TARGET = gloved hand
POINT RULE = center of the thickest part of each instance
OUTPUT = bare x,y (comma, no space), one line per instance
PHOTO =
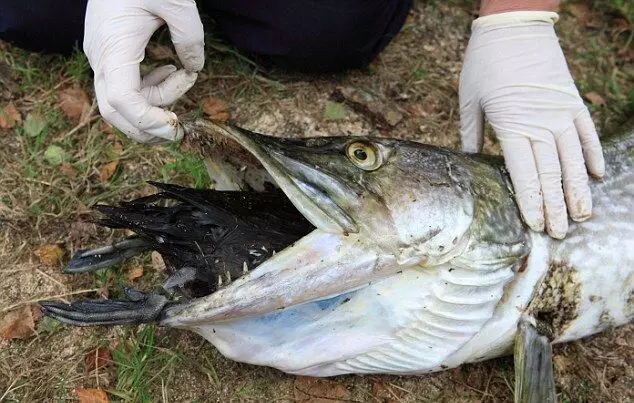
116,34
516,74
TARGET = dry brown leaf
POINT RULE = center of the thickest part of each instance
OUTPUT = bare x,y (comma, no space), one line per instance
68,169
118,147
19,323
416,110
92,395
316,390
97,359
594,98
50,254
9,116
216,109
160,52
108,129
581,11
106,172
157,262
104,291
74,102
133,273
383,392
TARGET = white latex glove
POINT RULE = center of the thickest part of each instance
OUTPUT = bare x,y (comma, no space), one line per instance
516,74
116,34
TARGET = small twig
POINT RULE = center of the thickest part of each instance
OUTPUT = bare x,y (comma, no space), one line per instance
86,121
52,279
12,307
10,389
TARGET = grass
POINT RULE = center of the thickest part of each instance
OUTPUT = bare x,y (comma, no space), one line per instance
41,200
139,364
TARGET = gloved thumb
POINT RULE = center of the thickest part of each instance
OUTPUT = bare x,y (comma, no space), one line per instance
471,125
186,31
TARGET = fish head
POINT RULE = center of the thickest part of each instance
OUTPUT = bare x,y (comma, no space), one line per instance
397,195
378,206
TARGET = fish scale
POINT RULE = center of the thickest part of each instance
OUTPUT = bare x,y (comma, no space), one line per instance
418,261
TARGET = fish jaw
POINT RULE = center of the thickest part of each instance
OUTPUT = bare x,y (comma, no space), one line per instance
289,175
318,266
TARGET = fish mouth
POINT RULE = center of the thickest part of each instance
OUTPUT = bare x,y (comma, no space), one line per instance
332,259
306,186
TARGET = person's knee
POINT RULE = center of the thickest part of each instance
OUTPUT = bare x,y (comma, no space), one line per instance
43,25
327,35
349,35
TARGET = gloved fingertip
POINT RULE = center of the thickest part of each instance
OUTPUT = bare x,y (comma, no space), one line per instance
557,234
170,131
193,57
596,164
533,217
180,133
557,224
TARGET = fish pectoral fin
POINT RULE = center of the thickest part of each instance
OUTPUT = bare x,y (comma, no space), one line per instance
534,380
140,307
87,260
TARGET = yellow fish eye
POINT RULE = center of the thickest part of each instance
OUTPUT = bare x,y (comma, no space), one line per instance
364,155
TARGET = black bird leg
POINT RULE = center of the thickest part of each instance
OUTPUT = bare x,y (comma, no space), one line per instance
104,256
140,307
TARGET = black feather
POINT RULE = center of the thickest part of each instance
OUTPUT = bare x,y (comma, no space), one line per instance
214,232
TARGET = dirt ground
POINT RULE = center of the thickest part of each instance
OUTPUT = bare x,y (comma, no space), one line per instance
410,92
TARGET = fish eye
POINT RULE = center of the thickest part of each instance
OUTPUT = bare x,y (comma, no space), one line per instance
364,155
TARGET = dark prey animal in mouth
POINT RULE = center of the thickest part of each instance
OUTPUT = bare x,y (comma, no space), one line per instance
207,238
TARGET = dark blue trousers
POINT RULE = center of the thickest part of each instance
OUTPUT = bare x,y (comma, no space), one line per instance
307,35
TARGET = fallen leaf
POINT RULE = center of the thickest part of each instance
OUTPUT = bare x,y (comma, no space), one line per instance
68,169
393,117
106,172
416,110
108,129
157,262
34,124
55,155
160,52
74,102
9,116
216,109
383,392
19,323
334,111
118,147
50,254
316,390
594,98
134,272
581,11
104,291
97,359
92,395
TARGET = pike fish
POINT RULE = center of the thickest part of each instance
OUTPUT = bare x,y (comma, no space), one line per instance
373,255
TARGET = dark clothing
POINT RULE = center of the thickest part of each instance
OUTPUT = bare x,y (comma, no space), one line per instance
308,35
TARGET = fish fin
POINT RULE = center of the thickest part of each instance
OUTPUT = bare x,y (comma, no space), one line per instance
534,380
140,307
87,260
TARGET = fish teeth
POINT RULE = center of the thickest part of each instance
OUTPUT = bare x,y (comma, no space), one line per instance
245,268
228,277
219,281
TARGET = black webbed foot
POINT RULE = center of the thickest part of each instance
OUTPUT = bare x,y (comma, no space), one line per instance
140,307
105,256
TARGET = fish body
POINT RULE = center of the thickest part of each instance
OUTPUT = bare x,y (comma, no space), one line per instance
418,261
